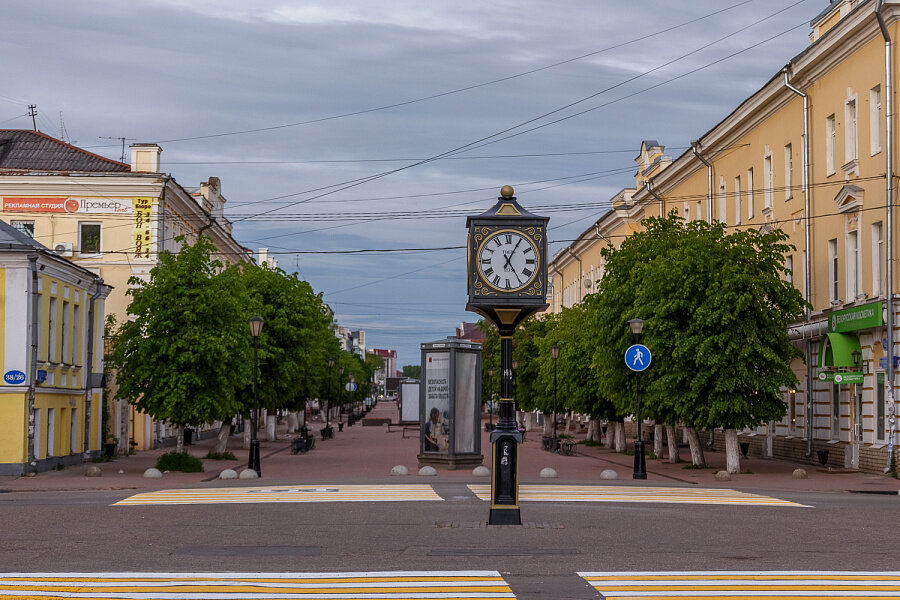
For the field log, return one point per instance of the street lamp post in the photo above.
(515, 367)
(327, 431)
(554, 351)
(640, 468)
(341, 397)
(491, 399)
(256, 325)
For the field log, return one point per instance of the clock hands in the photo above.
(508, 258)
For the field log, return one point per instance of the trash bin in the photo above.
(188, 436)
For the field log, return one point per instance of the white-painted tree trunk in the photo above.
(697, 458)
(548, 426)
(658, 440)
(222, 437)
(732, 451)
(610, 441)
(620, 436)
(246, 437)
(270, 428)
(179, 439)
(674, 456)
(292, 422)
(569, 419)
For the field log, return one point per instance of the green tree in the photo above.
(412, 371)
(187, 349)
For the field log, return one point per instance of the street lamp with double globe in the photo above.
(554, 351)
(256, 325)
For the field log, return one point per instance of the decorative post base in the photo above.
(254, 463)
(640, 467)
(505, 478)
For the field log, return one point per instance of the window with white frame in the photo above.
(768, 181)
(723, 205)
(829, 144)
(737, 200)
(789, 267)
(63, 334)
(850, 147)
(853, 271)
(76, 329)
(877, 260)
(89, 238)
(51, 332)
(833, 292)
(788, 172)
(750, 193)
(875, 120)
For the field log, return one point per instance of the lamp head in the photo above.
(330, 362)
(490, 372)
(256, 325)
(637, 326)
(857, 356)
(341, 370)
(554, 350)
(515, 364)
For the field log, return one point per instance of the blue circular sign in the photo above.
(14, 377)
(638, 357)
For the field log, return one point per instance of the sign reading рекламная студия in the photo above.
(855, 318)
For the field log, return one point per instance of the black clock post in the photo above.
(507, 282)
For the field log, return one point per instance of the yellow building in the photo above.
(112, 219)
(51, 321)
(808, 154)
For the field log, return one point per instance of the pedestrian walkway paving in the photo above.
(745, 584)
(594, 493)
(286, 493)
(399, 585)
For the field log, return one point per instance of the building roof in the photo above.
(23, 150)
(10, 237)
(471, 332)
(384, 353)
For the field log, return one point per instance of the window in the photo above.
(853, 270)
(749, 194)
(792, 410)
(768, 181)
(51, 332)
(687, 213)
(40, 336)
(723, 205)
(89, 238)
(829, 145)
(877, 260)
(26, 227)
(76, 328)
(63, 331)
(835, 411)
(833, 271)
(51, 433)
(788, 172)
(789, 267)
(737, 200)
(850, 152)
(875, 120)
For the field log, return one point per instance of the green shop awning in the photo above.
(836, 350)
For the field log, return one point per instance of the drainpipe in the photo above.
(655, 195)
(89, 365)
(709, 188)
(889, 202)
(603, 237)
(806, 263)
(35, 336)
(580, 275)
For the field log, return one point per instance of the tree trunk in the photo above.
(657, 440)
(270, 428)
(246, 437)
(620, 436)
(222, 438)
(179, 439)
(569, 419)
(674, 457)
(697, 458)
(610, 434)
(732, 451)
(595, 433)
(293, 423)
(548, 426)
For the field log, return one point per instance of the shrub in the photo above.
(590, 442)
(220, 455)
(179, 461)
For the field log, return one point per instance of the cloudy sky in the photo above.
(317, 117)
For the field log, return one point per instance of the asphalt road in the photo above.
(83, 531)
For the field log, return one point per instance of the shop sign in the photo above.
(111, 206)
(855, 318)
(839, 378)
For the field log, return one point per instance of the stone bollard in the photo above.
(399, 470)
(228, 474)
(248, 474)
(799, 474)
(481, 471)
(723, 476)
(548, 473)
(153, 473)
(93, 471)
(609, 474)
(427, 471)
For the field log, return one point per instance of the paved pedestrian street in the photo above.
(399, 585)
(745, 584)
(286, 493)
(597, 493)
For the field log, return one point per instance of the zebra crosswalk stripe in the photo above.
(744, 584)
(286, 493)
(641, 494)
(399, 585)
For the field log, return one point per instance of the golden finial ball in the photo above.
(507, 191)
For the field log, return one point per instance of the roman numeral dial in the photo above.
(507, 260)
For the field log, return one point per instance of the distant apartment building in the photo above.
(112, 219)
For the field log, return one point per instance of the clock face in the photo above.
(507, 260)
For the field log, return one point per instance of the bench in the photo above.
(568, 447)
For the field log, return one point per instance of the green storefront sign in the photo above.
(841, 378)
(858, 317)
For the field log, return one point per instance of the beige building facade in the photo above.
(808, 154)
(112, 219)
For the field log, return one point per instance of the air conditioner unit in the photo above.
(63, 249)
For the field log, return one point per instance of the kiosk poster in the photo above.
(465, 427)
(437, 402)
(143, 215)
